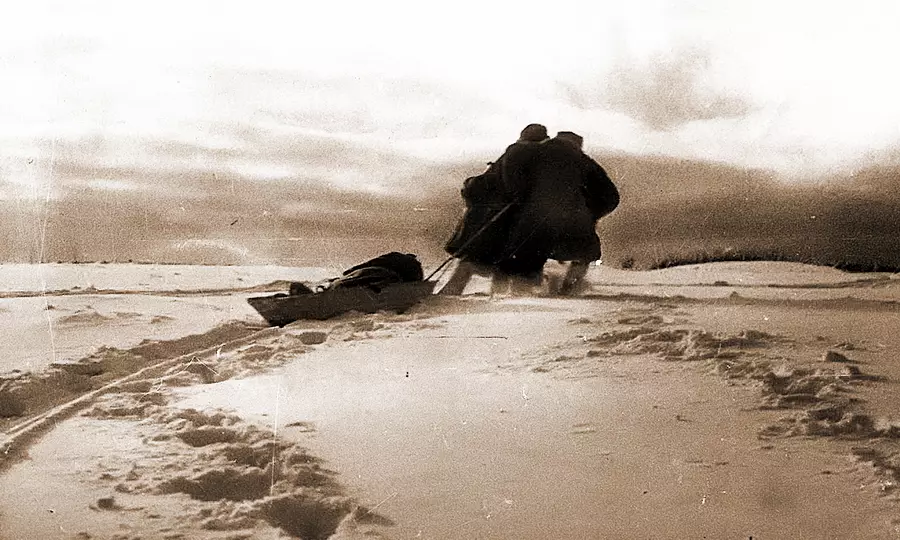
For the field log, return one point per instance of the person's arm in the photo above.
(477, 189)
(602, 195)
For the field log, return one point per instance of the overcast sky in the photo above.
(799, 86)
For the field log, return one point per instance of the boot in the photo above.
(574, 277)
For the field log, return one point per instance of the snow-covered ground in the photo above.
(59, 312)
(30, 279)
(726, 400)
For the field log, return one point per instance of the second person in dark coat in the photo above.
(482, 233)
(561, 193)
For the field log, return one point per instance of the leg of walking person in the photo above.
(574, 277)
(459, 279)
(525, 284)
(499, 283)
(525, 273)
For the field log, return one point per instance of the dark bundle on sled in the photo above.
(383, 270)
(393, 281)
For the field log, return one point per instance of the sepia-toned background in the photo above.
(279, 132)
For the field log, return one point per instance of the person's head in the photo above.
(534, 133)
(572, 138)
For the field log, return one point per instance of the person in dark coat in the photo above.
(562, 193)
(482, 232)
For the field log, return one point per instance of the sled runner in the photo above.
(281, 309)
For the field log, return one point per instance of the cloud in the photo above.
(665, 91)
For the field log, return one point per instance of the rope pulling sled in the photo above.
(390, 282)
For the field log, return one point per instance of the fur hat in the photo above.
(534, 133)
(572, 137)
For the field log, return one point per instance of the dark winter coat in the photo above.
(562, 194)
(485, 197)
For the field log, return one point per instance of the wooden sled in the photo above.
(281, 309)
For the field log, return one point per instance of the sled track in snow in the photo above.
(15, 441)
